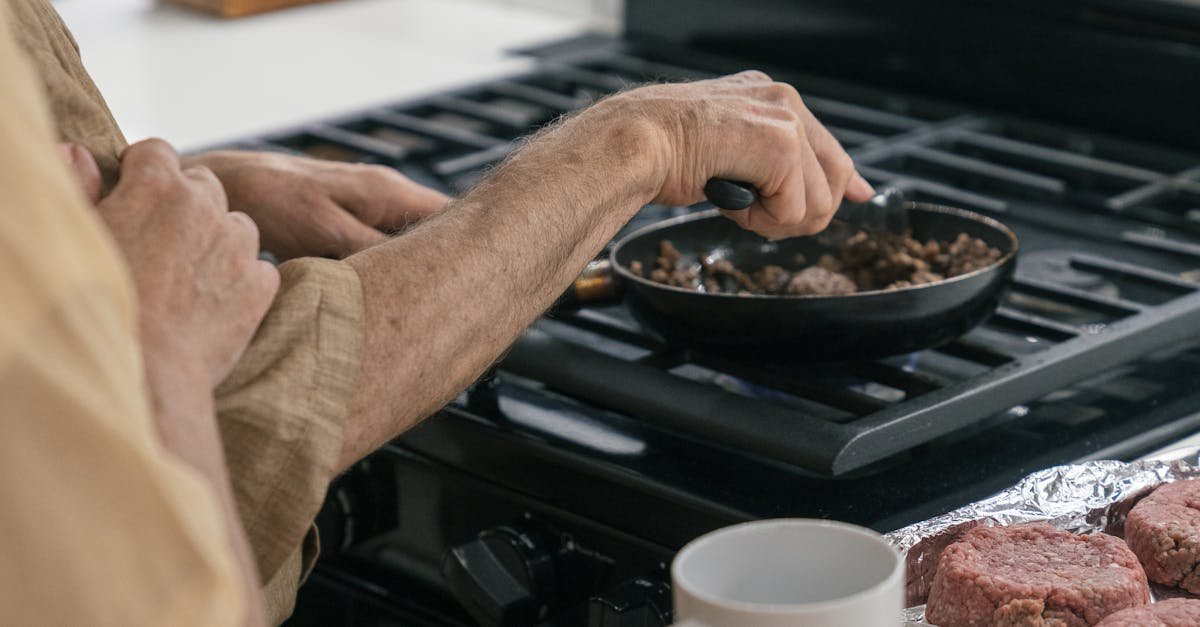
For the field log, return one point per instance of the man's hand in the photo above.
(745, 127)
(309, 207)
(201, 293)
(201, 287)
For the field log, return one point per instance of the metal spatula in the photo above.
(885, 212)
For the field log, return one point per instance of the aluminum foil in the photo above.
(1082, 498)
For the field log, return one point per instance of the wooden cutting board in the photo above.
(238, 8)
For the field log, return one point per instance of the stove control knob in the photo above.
(641, 602)
(503, 578)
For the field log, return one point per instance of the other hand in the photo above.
(746, 127)
(312, 207)
(201, 288)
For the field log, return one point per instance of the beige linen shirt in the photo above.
(100, 526)
(281, 411)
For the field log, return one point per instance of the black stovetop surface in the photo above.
(1092, 354)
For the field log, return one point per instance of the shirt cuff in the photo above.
(283, 408)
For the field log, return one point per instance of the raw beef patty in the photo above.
(1163, 530)
(1170, 613)
(1034, 575)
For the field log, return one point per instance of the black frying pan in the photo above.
(860, 326)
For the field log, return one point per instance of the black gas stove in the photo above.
(556, 490)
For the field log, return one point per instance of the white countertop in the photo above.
(196, 80)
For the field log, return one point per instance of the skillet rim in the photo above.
(627, 275)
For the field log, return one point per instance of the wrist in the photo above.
(175, 387)
(632, 141)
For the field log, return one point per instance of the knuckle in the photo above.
(242, 221)
(152, 165)
(242, 227)
(157, 151)
(156, 146)
(157, 180)
(782, 92)
(204, 178)
(783, 144)
(206, 183)
(381, 177)
(752, 76)
(236, 234)
(788, 115)
(379, 172)
(200, 173)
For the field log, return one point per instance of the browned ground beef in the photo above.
(818, 280)
(864, 263)
(1033, 575)
(1169, 613)
(1163, 530)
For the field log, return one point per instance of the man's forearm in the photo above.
(444, 300)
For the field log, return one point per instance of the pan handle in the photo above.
(597, 284)
(730, 195)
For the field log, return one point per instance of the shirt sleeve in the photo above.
(282, 412)
(100, 525)
(78, 111)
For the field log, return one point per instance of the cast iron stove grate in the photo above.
(1110, 234)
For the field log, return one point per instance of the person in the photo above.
(118, 504)
(353, 352)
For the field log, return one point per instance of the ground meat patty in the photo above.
(1033, 576)
(1163, 530)
(1169, 613)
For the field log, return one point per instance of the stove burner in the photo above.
(1055, 266)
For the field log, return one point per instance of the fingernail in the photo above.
(859, 188)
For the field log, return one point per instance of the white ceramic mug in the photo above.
(793, 572)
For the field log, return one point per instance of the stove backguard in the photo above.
(1118, 65)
